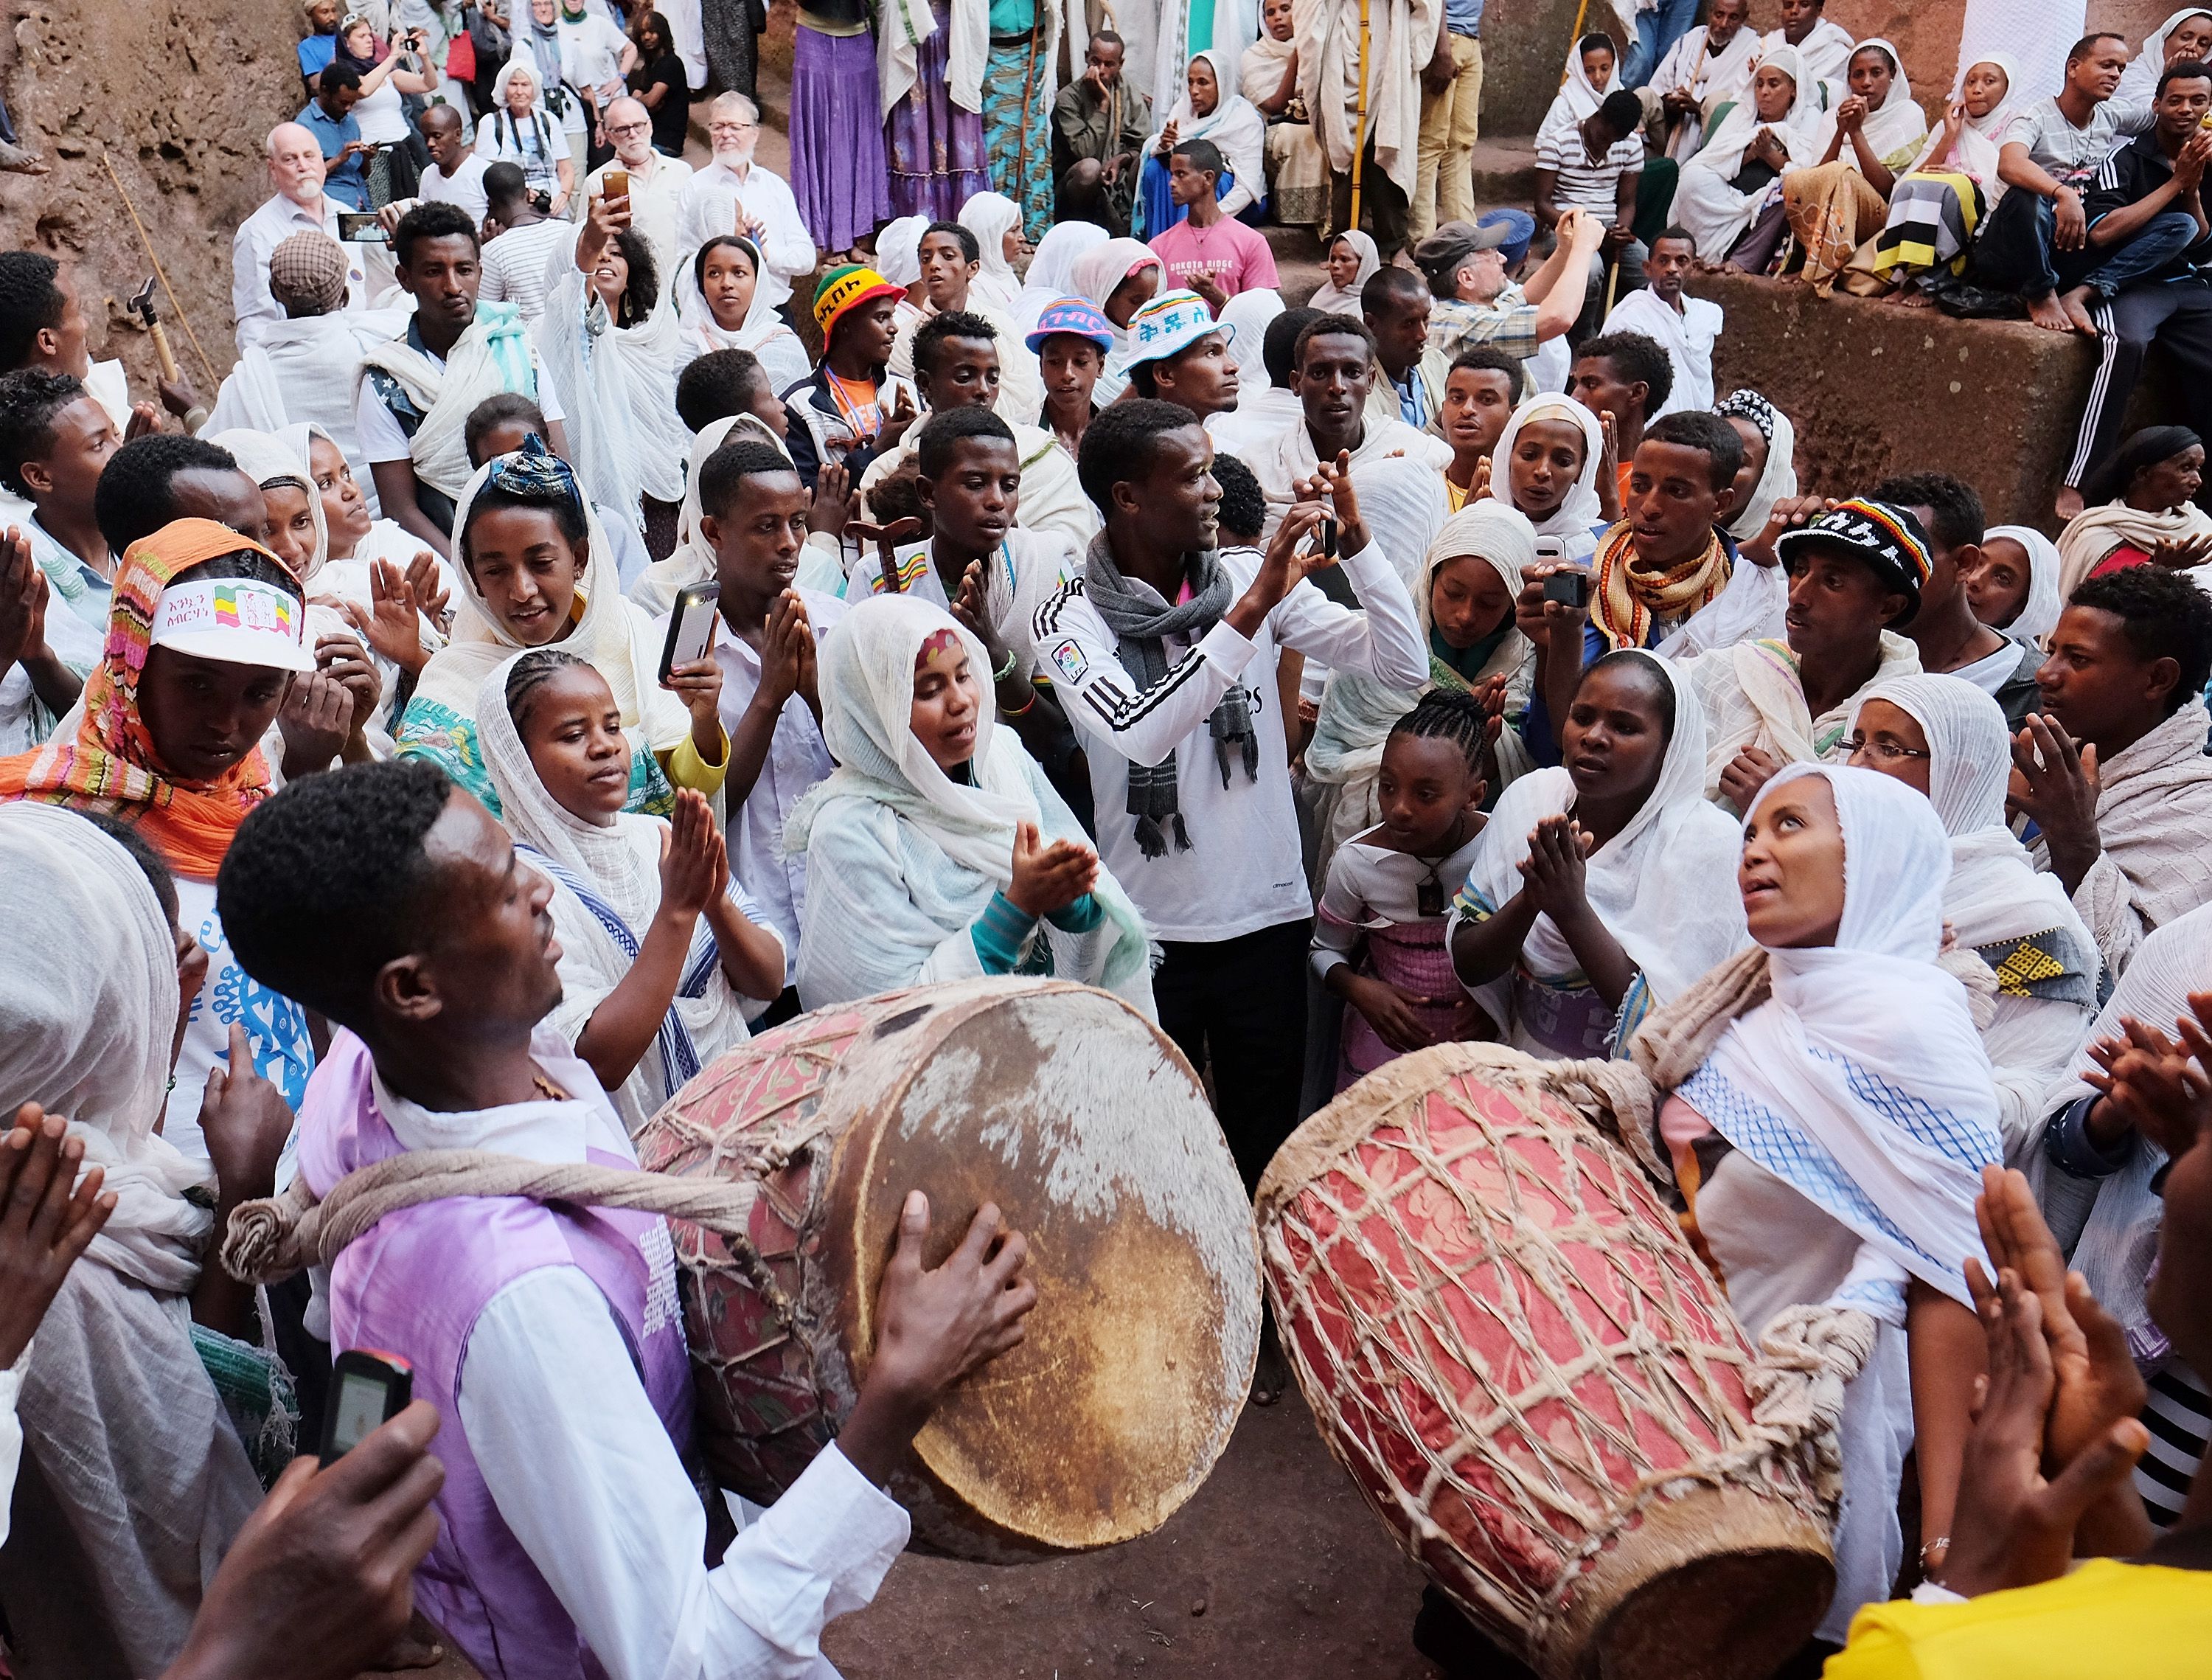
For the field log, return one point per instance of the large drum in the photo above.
(1081, 1120)
(1507, 1341)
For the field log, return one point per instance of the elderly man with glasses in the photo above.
(656, 181)
(735, 195)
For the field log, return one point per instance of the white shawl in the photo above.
(1334, 300)
(270, 460)
(1664, 886)
(1400, 34)
(1753, 697)
(905, 24)
(762, 333)
(2039, 613)
(1052, 269)
(692, 560)
(1571, 524)
(1890, 128)
(620, 864)
(860, 932)
(1234, 128)
(991, 216)
(493, 355)
(1778, 477)
(1979, 137)
(2091, 536)
(1861, 1082)
(619, 384)
(2139, 81)
(1715, 213)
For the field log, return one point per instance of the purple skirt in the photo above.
(938, 161)
(836, 140)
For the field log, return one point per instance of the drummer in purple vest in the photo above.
(571, 1538)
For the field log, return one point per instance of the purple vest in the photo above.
(414, 1284)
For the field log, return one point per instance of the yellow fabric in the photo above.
(1455, 497)
(686, 768)
(1828, 205)
(2124, 1620)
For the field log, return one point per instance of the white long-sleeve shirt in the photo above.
(708, 206)
(1244, 870)
(11, 1435)
(255, 311)
(584, 1474)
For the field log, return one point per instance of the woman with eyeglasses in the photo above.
(1947, 739)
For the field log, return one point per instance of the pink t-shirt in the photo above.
(1236, 257)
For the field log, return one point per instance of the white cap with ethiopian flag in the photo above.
(238, 620)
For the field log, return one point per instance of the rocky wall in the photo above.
(178, 95)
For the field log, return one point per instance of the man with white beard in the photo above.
(735, 195)
(296, 171)
(656, 182)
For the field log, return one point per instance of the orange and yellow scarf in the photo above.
(1627, 596)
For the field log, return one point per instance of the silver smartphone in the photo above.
(690, 626)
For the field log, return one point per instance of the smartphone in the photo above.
(1325, 535)
(359, 228)
(368, 1387)
(690, 626)
(618, 184)
(1571, 588)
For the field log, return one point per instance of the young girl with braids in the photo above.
(1379, 941)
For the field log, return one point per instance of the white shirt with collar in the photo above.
(797, 759)
(708, 206)
(584, 1474)
(1245, 870)
(259, 234)
(656, 190)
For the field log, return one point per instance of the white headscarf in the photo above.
(1573, 521)
(1664, 886)
(1579, 97)
(269, 459)
(619, 386)
(1723, 155)
(898, 249)
(1980, 137)
(692, 560)
(610, 637)
(619, 866)
(2139, 81)
(1052, 269)
(1861, 1082)
(867, 672)
(991, 216)
(87, 998)
(1895, 125)
(1250, 314)
(2039, 613)
(1995, 891)
(1334, 300)
(1778, 477)
(761, 334)
(1234, 126)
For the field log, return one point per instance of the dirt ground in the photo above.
(1276, 1568)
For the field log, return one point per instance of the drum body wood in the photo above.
(1509, 1344)
(1081, 1120)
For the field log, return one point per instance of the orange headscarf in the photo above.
(109, 764)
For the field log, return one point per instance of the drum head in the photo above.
(1084, 1124)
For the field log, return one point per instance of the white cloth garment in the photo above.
(1664, 886)
(1826, 53)
(2154, 806)
(1777, 479)
(692, 560)
(1975, 153)
(762, 333)
(1098, 274)
(1332, 299)
(1244, 870)
(1163, 70)
(1691, 66)
(1862, 1081)
(2139, 81)
(1995, 897)
(1753, 697)
(1398, 36)
(463, 189)
(624, 437)
(991, 216)
(306, 371)
(255, 311)
(585, 1474)
(901, 29)
(1896, 123)
(1578, 97)
(1289, 458)
(1262, 413)
(619, 861)
(1687, 334)
(2037, 33)
(1051, 276)
(1713, 212)
(1573, 524)
(712, 202)
(2039, 613)
(271, 460)
(903, 858)
(445, 393)
(1234, 127)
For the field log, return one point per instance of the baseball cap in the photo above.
(1170, 325)
(237, 620)
(1072, 314)
(1440, 254)
(1889, 539)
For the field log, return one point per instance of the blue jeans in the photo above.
(1656, 32)
(2161, 239)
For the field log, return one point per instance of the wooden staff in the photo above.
(1359, 125)
(144, 239)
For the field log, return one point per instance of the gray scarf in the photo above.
(1139, 619)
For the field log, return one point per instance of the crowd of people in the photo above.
(615, 605)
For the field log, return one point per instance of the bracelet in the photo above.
(1013, 663)
(1942, 1544)
(1021, 710)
